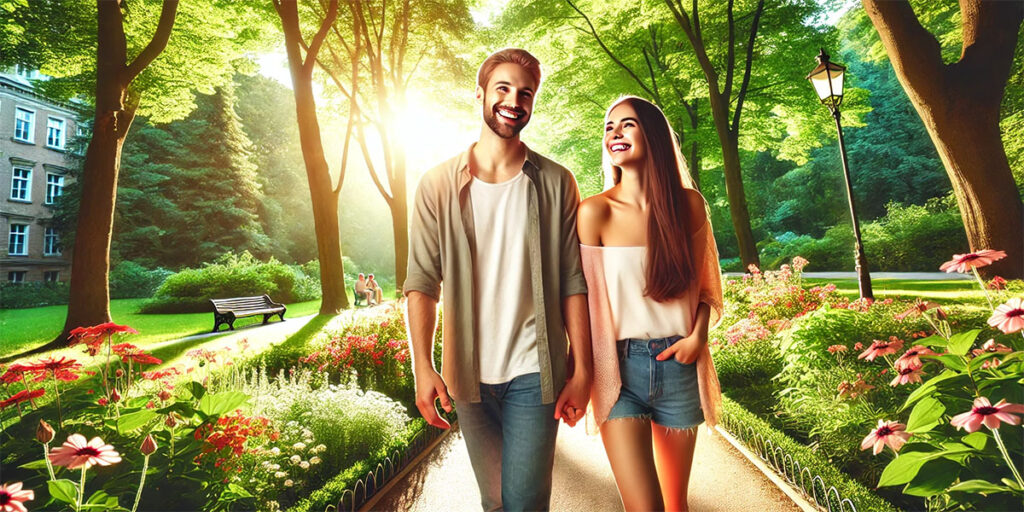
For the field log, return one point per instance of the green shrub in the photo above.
(907, 238)
(32, 294)
(862, 497)
(190, 290)
(129, 280)
(747, 372)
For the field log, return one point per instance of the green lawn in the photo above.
(23, 329)
(951, 291)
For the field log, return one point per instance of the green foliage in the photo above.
(128, 280)
(908, 238)
(859, 494)
(748, 372)
(190, 290)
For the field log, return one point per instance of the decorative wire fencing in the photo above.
(360, 491)
(812, 486)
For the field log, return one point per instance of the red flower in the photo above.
(14, 373)
(907, 374)
(62, 369)
(22, 396)
(997, 283)
(837, 348)
(965, 262)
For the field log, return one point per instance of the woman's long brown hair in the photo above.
(670, 267)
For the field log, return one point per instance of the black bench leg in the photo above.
(266, 318)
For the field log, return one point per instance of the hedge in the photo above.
(863, 498)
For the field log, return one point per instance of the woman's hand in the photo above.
(686, 350)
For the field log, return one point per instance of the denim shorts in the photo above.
(665, 392)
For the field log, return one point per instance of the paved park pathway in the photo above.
(722, 479)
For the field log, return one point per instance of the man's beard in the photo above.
(503, 130)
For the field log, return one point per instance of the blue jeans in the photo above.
(510, 436)
(665, 392)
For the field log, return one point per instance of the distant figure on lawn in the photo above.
(371, 283)
(362, 288)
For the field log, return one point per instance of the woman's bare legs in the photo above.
(673, 454)
(627, 441)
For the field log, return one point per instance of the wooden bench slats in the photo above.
(227, 310)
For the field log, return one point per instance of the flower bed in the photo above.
(837, 375)
(218, 433)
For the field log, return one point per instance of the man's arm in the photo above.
(572, 401)
(422, 288)
(421, 318)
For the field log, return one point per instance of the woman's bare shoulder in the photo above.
(594, 213)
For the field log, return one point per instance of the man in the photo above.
(497, 226)
(364, 290)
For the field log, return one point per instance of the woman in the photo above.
(653, 295)
(371, 283)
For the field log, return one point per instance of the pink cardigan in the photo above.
(707, 288)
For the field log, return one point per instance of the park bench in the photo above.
(225, 311)
(359, 297)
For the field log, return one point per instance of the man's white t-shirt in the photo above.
(506, 322)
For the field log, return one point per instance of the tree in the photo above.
(369, 63)
(323, 193)
(109, 57)
(959, 103)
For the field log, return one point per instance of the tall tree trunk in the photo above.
(89, 300)
(400, 222)
(323, 195)
(726, 128)
(959, 104)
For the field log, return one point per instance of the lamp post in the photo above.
(827, 79)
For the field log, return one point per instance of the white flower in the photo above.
(314, 460)
(295, 459)
(280, 474)
(288, 483)
(274, 467)
(304, 465)
(273, 505)
(275, 450)
(321, 447)
(265, 464)
(299, 446)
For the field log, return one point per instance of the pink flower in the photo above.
(882, 348)
(906, 375)
(965, 262)
(919, 307)
(799, 263)
(837, 348)
(76, 452)
(12, 497)
(887, 433)
(858, 346)
(912, 357)
(991, 415)
(1009, 316)
(991, 346)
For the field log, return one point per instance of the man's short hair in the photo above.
(509, 55)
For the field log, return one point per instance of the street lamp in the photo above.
(827, 79)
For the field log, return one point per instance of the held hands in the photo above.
(429, 388)
(686, 350)
(572, 401)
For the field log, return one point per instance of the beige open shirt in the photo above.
(441, 246)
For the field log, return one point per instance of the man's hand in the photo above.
(572, 401)
(430, 387)
(685, 350)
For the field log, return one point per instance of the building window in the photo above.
(17, 276)
(54, 187)
(21, 184)
(23, 119)
(51, 242)
(26, 72)
(55, 133)
(17, 243)
(51, 276)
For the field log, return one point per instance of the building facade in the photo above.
(34, 136)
